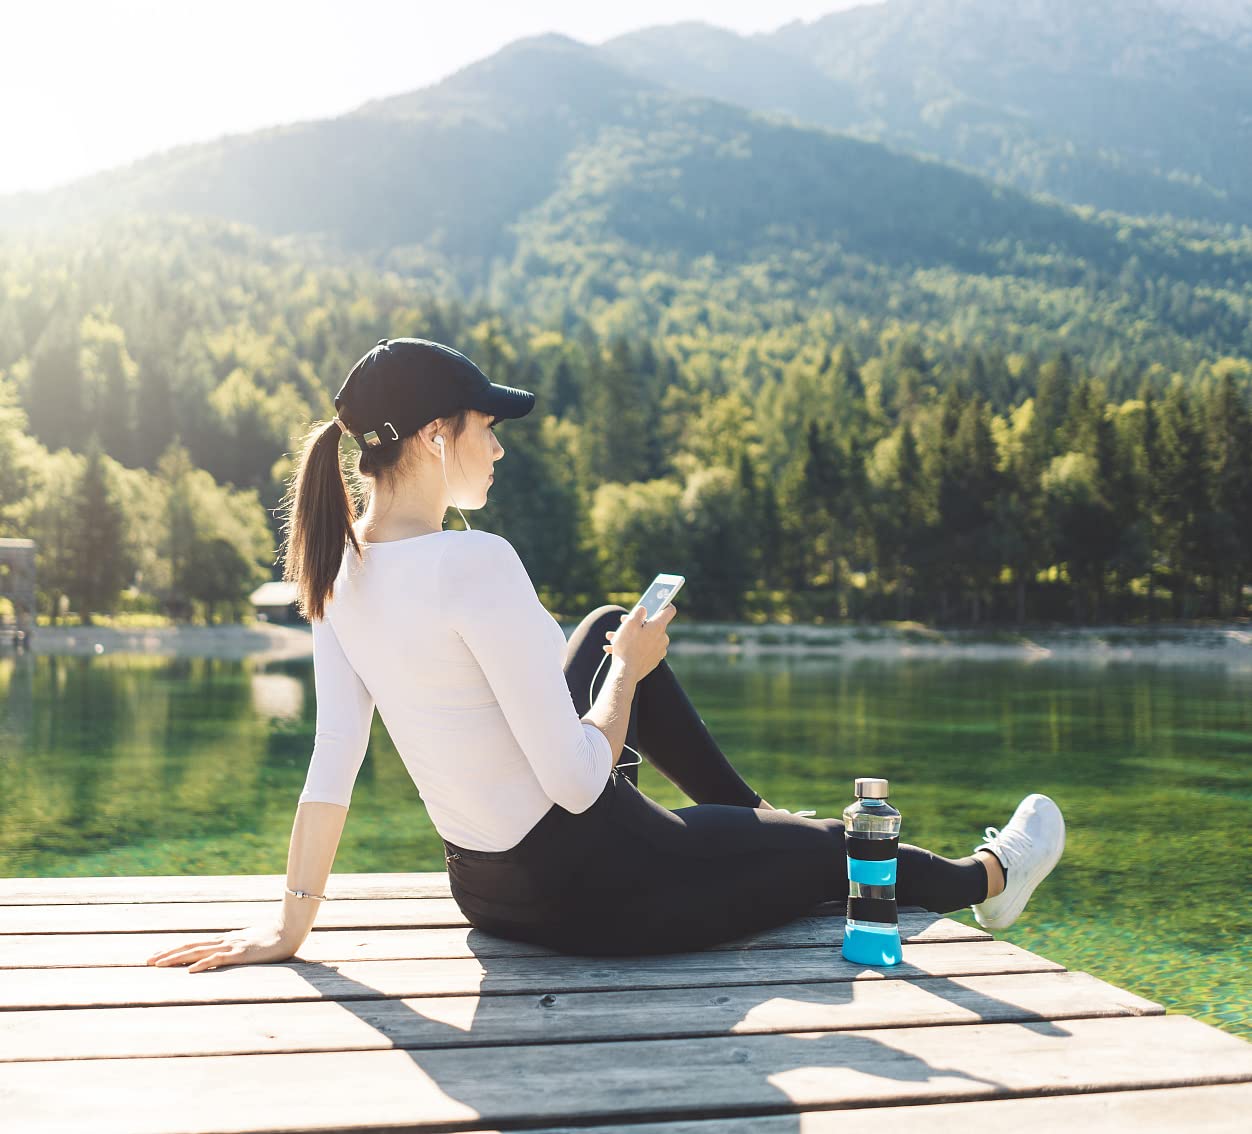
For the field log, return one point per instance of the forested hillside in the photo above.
(156, 377)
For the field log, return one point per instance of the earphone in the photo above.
(590, 696)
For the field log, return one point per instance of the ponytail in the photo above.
(320, 513)
(321, 508)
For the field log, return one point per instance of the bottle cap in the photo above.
(870, 787)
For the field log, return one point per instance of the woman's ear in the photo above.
(428, 433)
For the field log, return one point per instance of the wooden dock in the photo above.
(397, 1016)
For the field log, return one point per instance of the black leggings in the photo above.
(628, 876)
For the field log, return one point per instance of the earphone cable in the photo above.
(590, 697)
(444, 467)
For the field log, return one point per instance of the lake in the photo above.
(132, 765)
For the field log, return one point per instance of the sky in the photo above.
(88, 85)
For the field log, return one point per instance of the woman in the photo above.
(547, 840)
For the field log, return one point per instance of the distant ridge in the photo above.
(1140, 106)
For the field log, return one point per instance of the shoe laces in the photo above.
(1013, 841)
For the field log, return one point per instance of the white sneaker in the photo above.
(795, 812)
(1029, 846)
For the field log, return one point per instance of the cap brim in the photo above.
(507, 401)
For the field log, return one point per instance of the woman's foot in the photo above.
(1029, 846)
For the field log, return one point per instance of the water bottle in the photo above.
(871, 935)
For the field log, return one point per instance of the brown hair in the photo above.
(321, 504)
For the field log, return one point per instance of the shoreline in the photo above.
(1229, 645)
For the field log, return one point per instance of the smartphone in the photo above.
(660, 594)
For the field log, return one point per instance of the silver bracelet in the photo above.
(305, 894)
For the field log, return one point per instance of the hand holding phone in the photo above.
(641, 641)
(660, 594)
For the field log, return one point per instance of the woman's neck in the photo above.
(370, 530)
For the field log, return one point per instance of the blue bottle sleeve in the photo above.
(872, 862)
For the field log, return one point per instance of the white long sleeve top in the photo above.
(445, 634)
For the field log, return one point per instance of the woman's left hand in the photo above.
(253, 945)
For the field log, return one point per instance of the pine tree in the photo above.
(771, 534)
(968, 508)
(1227, 426)
(560, 390)
(616, 420)
(1181, 492)
(154, 422)
(180, 526)
(101, 563)
(1149, 487)
(1084, 485)
(824, 486)
(1052, 398)
(54, 393)
(750, 502)
(110, 378)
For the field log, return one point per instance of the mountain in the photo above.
(1139, 106)
(548, 136)
(557, 183)
(448, 167)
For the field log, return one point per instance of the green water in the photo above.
(124, 765)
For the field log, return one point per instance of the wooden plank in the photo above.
(87, 950)
(194, 917)
(354, 980)
(653, 1080)
(117, 917)
(211, 888)
(464, 1021)
(1213, 1110)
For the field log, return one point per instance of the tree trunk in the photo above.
(1020, 584)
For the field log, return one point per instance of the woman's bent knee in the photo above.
(609, 608)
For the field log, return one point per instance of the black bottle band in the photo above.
(872, 850)
(874, 909)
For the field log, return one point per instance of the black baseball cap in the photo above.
(399, 385)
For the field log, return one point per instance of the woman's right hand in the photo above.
(641, 644)
(253, 945)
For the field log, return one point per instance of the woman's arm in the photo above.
(314, 843)
(488, 599)
(345, 710)
(314, 840)
(611, 711)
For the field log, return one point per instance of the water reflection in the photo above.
(277, 695)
